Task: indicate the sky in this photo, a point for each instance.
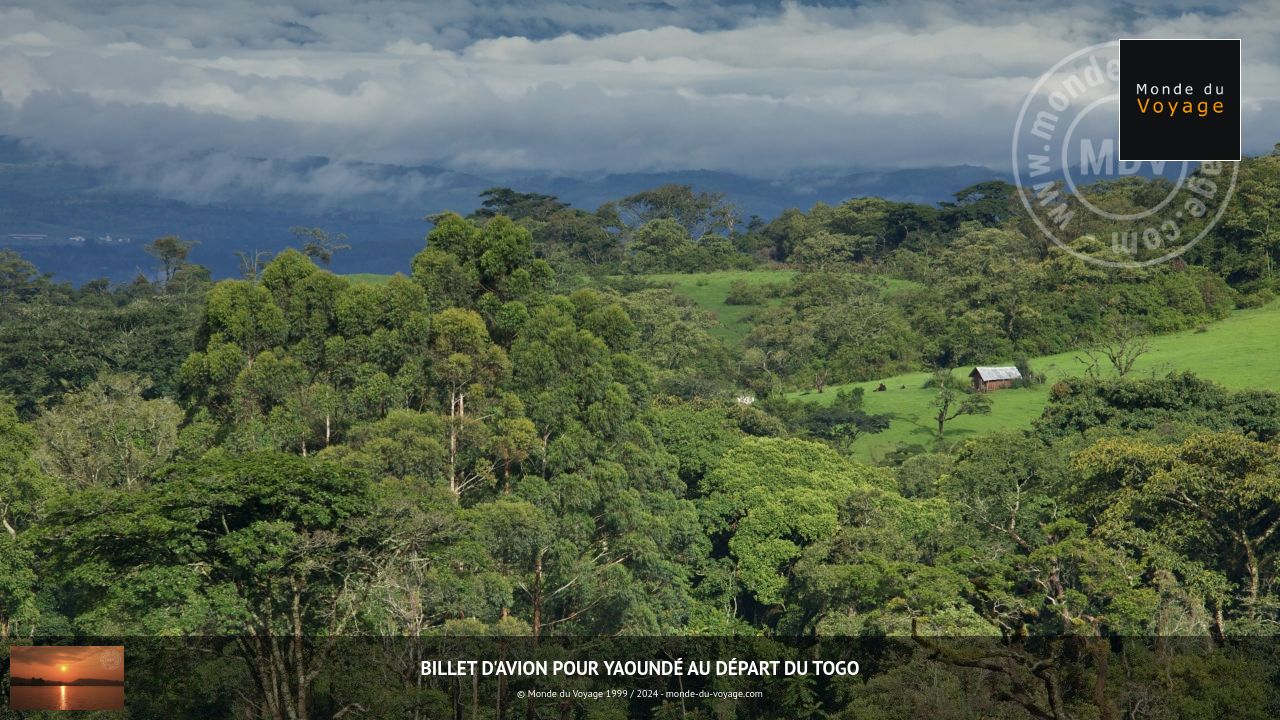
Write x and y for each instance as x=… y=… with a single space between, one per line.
x=758 y=88
x=47 y=662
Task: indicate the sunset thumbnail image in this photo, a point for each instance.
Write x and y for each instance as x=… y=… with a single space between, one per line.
x=66 y=678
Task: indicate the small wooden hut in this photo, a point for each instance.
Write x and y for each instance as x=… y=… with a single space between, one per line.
x=986 y=379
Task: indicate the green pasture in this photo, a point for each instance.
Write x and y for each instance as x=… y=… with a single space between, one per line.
x=1242 y=351
x=709 y=290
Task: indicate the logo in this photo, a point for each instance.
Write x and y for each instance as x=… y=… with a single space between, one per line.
x=1180 y=99
x=1086 y=200
x=110 y=658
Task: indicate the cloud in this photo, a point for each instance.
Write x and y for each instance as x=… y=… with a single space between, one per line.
x=756 y=88
x=18 y=77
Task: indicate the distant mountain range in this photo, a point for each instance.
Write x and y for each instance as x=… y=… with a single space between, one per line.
x=30 y=681
x=81 y=221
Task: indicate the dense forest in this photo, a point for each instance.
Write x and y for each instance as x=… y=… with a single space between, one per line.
x=527 y=435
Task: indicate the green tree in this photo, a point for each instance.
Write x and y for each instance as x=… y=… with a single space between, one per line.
x=769 y=498
x=19 y=279
x=987 y=202
x=171 y=251
x=844 y=421
x=406 y=444
x=1038 y=576
x=52 y=344
x=655 y=245
x=109 y=435
x=1211 y=502
x=1245 y=244
x=269 y=548
x=24 y=490
x=697 y=212
x=951 y=401
x=18 y=587
x=318 y=244
x=246 y=314
x=880 y=571
x=825 y=251
x=465 y=265
x=1179 y=400
x=517 y=205
x=673 y=335
x=466 y=363
x=579 y=235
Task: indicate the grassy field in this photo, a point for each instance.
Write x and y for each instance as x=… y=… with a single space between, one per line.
x=1238 y=352
x=709 y=290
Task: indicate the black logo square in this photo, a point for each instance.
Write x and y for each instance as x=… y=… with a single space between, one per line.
x=1179 y=100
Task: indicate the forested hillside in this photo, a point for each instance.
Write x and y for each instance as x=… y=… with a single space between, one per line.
x=535 y=431
x=90 y=220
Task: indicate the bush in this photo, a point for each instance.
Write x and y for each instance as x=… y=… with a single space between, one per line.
x=743 y=293
x=1255 y=299
x=1030 y=378
x=953 y=381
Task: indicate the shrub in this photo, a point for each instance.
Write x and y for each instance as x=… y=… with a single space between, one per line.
x=1255 y=299
x=1030 y=378
x=743 y=293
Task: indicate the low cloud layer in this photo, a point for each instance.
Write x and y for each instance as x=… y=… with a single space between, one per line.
x=754 y=88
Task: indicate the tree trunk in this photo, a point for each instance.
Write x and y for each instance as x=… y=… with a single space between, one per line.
x=536 y=599
x=300 y=668
x=457 y=413
x=1100 y=648
x=1219 y=633
x=502 y=696
x=1251 y=567
x=457 y=699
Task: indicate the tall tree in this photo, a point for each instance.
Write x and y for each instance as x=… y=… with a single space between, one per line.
x=318 y=244
x=698 y=212
x=22 y=488
x=24 y=494
x=268 y=548
x=467 y=364
x=246 y=314
x=19 y=279
x=770 y=498
x=517 y=205
x=108 y=434
x=1213 y=501
x=171 y=251
x=954 y=400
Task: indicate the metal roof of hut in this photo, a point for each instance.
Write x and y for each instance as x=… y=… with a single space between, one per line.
x=996 y=373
